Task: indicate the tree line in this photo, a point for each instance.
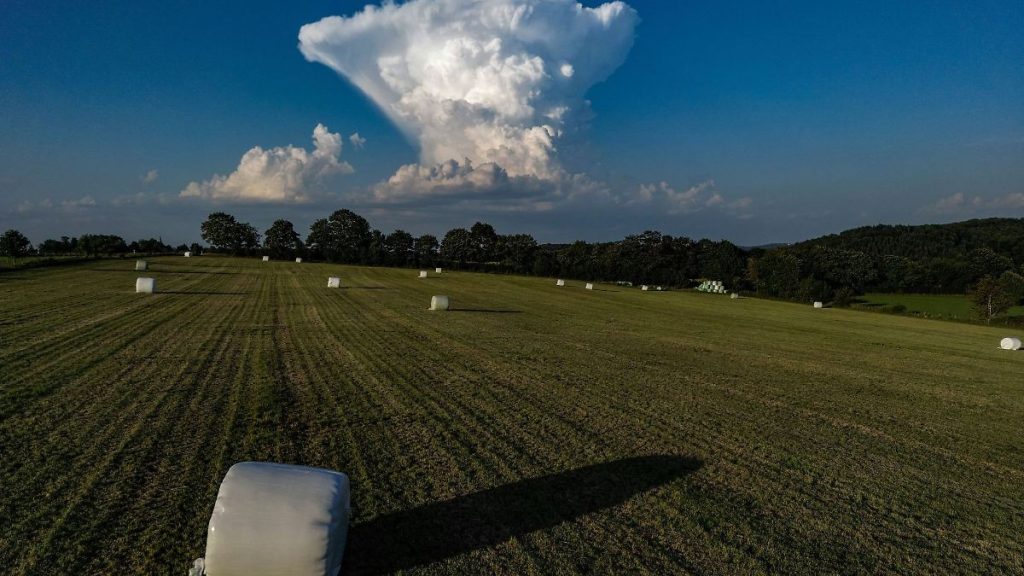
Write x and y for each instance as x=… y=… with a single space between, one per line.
x=346 y=237
x=14 y=245
x=982 y=258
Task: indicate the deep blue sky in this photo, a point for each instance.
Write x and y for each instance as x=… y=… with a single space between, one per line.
x=827 y=115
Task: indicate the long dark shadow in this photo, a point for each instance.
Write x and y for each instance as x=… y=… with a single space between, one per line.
x=163 y=270
x=180 y=271
x=410 y=538
x=201 y=292
x=485 y=311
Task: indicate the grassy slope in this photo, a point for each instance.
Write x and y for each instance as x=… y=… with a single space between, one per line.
x=814 y=440
x=945 y=306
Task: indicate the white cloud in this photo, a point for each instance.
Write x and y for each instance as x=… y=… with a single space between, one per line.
x=83 y=202
x=698 y=197
x=150 y=177
x=960 y=204
x=1014 y=201
x=46 y=205
x=496 y=82
x=280 y=174
x=487 y=90
x=357 y=140
x=950 y=203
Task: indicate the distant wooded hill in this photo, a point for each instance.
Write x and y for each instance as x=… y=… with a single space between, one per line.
x=932 y=258
x=1004 y=236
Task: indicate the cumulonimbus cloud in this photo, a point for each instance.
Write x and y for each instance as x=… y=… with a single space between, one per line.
x=485 y=86
x=279 y=174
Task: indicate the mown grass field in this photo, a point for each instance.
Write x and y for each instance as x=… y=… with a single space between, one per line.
x=537 y=430
x=941 y=306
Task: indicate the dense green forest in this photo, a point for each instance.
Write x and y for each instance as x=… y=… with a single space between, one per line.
x=984 y=258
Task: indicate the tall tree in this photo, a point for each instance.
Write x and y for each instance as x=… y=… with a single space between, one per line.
x=96 y=244
x=344 y=236
x=376 y=253
x=778 y=274
x=223 y=232
x=14 y=245
x=516 y=252
x=457 y=246
x=399 y=246
x=426 y=248
x=281 y=240
x=992 y=297
x=220 y=230
x=484 y=241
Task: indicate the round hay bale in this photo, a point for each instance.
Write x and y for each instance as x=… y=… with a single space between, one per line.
x=590 y=286
x=423 y=273
x=439 y=303
x=334 y=282
x=272 y=519
x=145 y=285
x=141 y=265
x=188 y=254
x=734 y=296
x=266 y=258
x=437 y=270
x=560 y=283
x=1010 y=343
x=645 y=288
x=298 y=260
x=819 y=305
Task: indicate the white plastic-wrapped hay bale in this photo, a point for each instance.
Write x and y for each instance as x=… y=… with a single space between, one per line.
x=590 y=286
x=273 y=519
x=141 y=265
x=560 y=283
x=423 y=273
x=1010 y=343
x=266 y=258
x=734 y=296
x=334 y=282
x=188 y=254
x=819 y=305
x=298 y=260
x=437 y=270
x=439 y=303
x=145 y=285
x=644 y=288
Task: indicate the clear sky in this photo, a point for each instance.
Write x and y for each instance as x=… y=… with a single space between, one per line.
x=752 y=121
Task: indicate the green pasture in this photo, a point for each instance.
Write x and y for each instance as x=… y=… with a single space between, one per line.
x=532 y=430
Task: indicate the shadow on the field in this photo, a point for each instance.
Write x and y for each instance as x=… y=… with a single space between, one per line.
x=367 y=288
x=201 y=292
x=485 y=311
x=184 y=271
x=162 y=270
x=430 y=533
